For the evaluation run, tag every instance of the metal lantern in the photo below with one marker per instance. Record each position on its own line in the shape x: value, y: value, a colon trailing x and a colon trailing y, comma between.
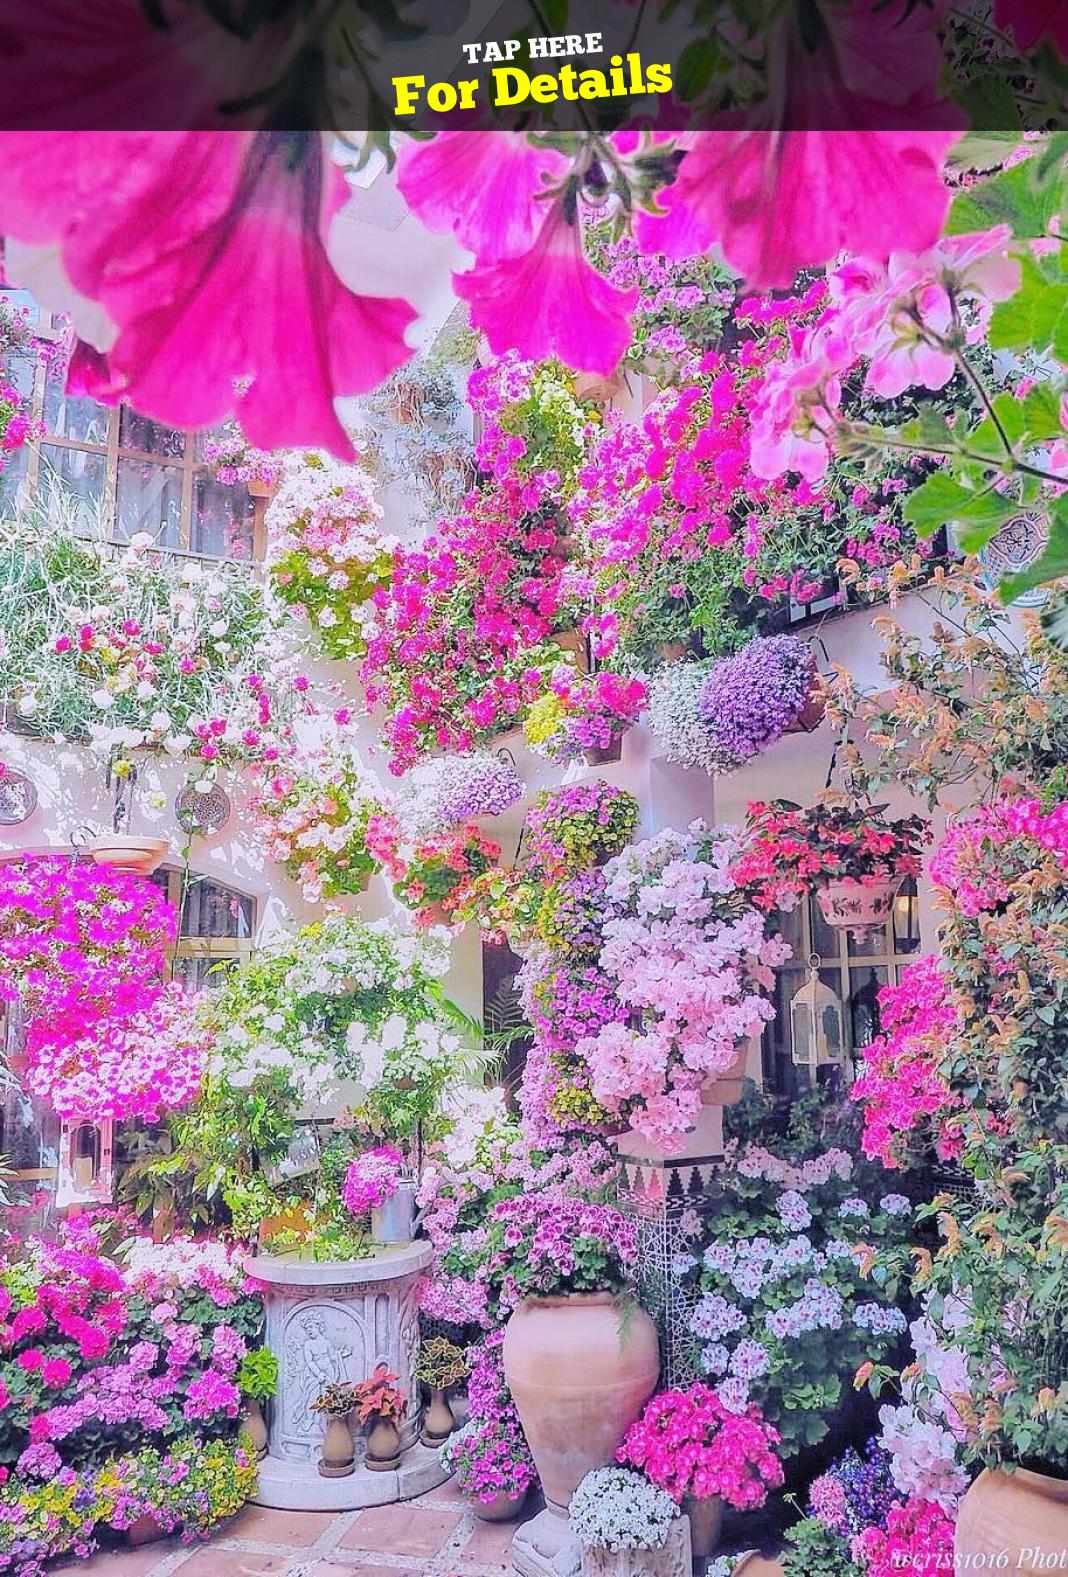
x: 86, y: 1162
x: 816, y: 1023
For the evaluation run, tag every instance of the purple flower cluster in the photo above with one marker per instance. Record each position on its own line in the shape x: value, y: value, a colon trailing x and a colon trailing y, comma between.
x: 579, y: 825
x: 545, y: 1245
x: 855, y: 1492
x: 490, y: 1455
x: 476, y: 785
x: 564, y: 999
x: 751, y: 699
x: 819, y: 1308
x: 880, y: 1319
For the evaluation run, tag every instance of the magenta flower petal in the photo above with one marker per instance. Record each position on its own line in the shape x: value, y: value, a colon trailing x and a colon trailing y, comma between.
x: 778, y: 202
x: 207, y: 250
x: 550, y: 302
x: 481, y: 185
x: 1030, y: 20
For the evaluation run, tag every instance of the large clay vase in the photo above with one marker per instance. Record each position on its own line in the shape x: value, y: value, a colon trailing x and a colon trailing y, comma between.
x: 580, y: 1369
x: 1012, y: 1522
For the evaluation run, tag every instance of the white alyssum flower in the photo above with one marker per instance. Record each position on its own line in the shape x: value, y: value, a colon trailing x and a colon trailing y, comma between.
x: 617, y: 1509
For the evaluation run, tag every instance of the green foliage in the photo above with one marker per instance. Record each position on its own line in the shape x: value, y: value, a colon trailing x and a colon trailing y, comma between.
x: 813, y: 1550
x: 258, y: 1375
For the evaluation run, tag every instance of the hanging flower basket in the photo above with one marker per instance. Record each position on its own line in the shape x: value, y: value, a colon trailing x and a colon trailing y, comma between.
x: 141, y: 856
x: 857, y: 906
x: 811, y: 714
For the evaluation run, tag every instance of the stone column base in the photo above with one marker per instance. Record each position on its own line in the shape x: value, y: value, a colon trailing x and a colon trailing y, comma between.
x: 544, y: 1547
x: 299, y: 1486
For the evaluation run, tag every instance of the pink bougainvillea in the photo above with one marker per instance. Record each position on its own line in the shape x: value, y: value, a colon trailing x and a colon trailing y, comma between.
x: 964, y: 865
x: 918, y: 1538
x: 900, y: 1085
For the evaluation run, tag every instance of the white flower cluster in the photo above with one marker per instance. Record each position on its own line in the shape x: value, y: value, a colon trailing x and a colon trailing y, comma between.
x: 674, y: 717
x: 616, y: 1509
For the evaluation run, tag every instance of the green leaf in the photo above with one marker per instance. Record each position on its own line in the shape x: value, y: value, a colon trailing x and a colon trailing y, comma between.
x: 698, y: 64
x: 941, y: 500
x: 1042, y: 413
x: 984, y: 150
x: 1025, y: 197
x: 1032, y: 317
x: 990, y: 104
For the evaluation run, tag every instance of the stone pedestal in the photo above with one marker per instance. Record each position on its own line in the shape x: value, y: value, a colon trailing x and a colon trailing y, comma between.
x: 659, y: 1189
x: 545, y: 1546
x: 332, y: 1322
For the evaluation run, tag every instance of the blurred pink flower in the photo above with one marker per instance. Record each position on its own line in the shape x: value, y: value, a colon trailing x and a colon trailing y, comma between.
x: 207, y: 249
x: 550, y: 302
x: 481, y: 185
x: 1030, y: 20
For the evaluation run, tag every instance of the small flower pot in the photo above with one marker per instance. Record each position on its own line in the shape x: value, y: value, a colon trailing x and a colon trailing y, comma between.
x: 255, y: 1426
x: 674, y: 651
x: 592, y: 389
x: 146, y: 1530
x: 573, y: 643
x: 502, y: 1508
x: 257, y: 488
x: 438, y: 1421
x: 394, y: 1221
x: 811, y: 714
x: 140, y: 856
x: 706, y: 1523
x: 857, y: 906
x: 337, y: 1456
x: 601, y: 755
x: 435, y: 914
x: 383, y: 1447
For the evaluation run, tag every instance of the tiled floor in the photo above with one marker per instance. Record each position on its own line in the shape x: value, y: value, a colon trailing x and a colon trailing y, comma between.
x: 435, y: 1536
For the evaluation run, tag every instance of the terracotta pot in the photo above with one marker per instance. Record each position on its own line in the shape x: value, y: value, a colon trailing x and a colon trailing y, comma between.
x: 580, y: 1369
x: 383, y: 1447
x: 706, y: 1523
x: 1014, y: 1521
x: 337, y: 1455
x: 255, y: 1426
x: 141, y: 856
x: 593, y: 389
x: 857, y: 906
x: 438, y: 1422
x: 673, y: 651
x: 811, y: 714
x: 726, y: 1089
x: 502, y: 1508
x: 435, y: 914
x: 601, y: 755
x: 257, y: 488
x: 146, y: 1530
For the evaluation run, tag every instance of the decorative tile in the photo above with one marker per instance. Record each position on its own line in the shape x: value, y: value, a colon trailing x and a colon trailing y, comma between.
x: 400, y: 1529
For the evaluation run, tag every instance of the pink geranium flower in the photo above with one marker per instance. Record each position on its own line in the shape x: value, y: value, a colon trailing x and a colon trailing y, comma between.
x: 206, y: 249
x: 1030, y: 20
x: 549, y: 301
x: 481, y: 185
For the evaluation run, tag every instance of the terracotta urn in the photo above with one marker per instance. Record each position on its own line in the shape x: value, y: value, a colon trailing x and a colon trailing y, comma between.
x: 706, y: 1523
x: 674, y: 651
x: 337, y: 1456
x: 811, y: 714
x: 435, y: 914
x: 438, y: 1421
x: 580, y: 1369
x: 141, y: 856
x: 255, y: 1426
x: 857, y: 906
x: 383, y: 1447
x: 1013, y: 1521
x: 502, y: 1508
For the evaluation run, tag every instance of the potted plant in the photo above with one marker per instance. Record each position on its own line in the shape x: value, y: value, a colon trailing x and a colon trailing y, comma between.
x: 584, y: 716
x: 689, y: 1444
x: 853, y: 856
x: 257, y: 1380
x: 378, y: 1402
x: 678, y: 725
x: 317, y: 819
x: 578, y: 825
x: 337, y: 1456
x: 580, y: 1356
x: 490, y: 1455
x: 441, y: 1364
x: 452, y: 790
x: 628, y: 1527
x: 767, y: 689
x: 438, y: 870
x: 375, y: 1184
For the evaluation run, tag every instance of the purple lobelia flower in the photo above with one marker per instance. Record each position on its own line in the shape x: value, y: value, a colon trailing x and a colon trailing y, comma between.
x: 751, y: 699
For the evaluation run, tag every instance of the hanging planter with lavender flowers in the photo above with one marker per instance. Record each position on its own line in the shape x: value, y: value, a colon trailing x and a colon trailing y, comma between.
x: 767, y: 689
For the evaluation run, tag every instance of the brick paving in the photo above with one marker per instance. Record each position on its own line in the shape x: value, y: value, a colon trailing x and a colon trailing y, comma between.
x: 434, y: 1536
